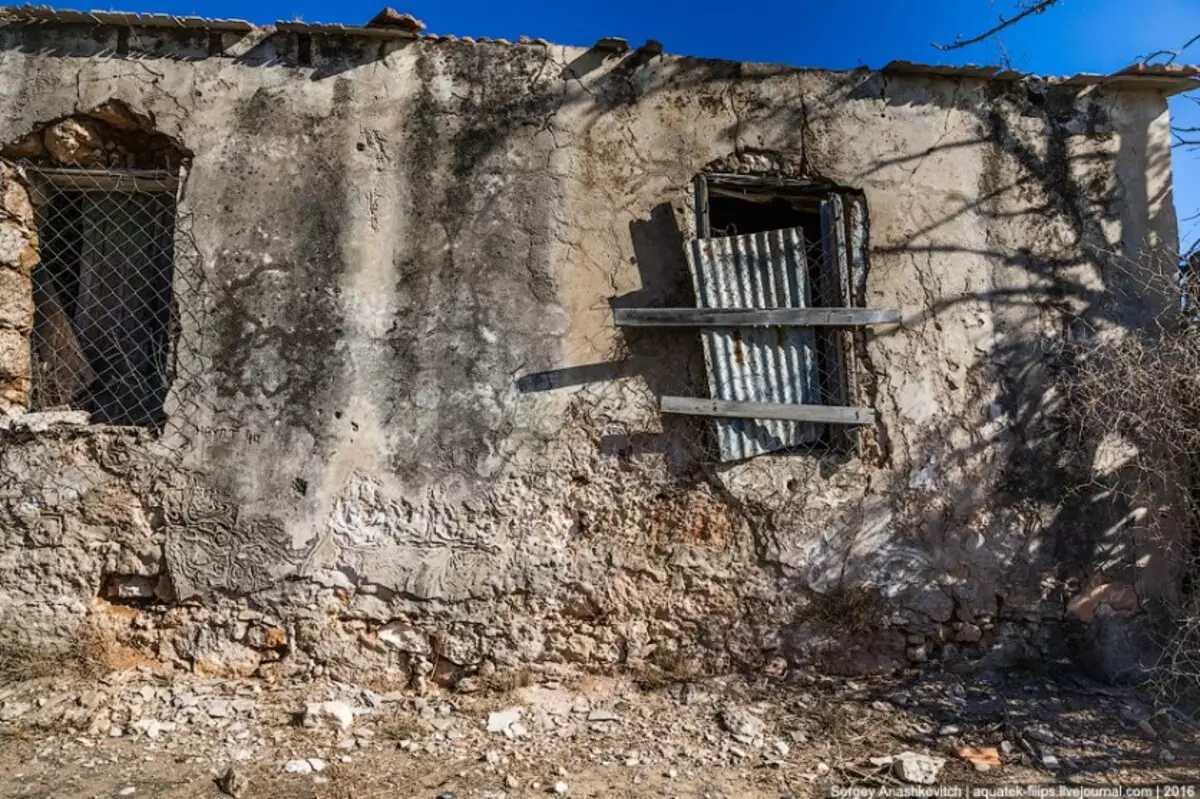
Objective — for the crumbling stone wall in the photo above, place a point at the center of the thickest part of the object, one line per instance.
(18, 256)
(404, 246)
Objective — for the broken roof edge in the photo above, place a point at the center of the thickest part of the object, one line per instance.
(1168, 78)
(32, 13)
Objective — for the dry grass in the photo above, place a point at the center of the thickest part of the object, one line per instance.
(345, 782)
(664, 668)
(833, 719)
(401, 726)
(851, 610)
(506, 681)
(87, 654)
(1136, 400)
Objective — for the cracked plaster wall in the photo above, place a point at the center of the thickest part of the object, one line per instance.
(396, 238)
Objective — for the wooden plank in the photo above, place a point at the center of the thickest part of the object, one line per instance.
(109, 180)
(703, 228)
(751, 182)
(823, 414)
(751, 317)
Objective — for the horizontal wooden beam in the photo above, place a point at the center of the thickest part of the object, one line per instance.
(752, 317)
(109, 180)
(822, 414)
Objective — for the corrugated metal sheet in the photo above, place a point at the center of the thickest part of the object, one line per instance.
(760, 364)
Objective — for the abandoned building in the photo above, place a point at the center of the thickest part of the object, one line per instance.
(326, 347)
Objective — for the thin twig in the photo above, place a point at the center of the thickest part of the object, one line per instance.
(959, 42)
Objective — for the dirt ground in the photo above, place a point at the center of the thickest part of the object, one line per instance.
(142, 733)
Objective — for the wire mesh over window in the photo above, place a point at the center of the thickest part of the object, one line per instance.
(103, 325)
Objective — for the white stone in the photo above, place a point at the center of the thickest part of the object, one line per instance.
(918, 769)
(405, 638)
(502, 720)
(41, 421)
(603, 715)
(560, 788)
(298, 767)
(14, 710)
(217, 708)
(130, 791)
(337, 715)
(152, 728)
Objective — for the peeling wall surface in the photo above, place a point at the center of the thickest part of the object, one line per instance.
(416, 443)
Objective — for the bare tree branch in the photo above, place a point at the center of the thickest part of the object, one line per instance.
(1172, 53)
(960, 42)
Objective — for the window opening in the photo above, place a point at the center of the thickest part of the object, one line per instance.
(102, 333)
(779, 270)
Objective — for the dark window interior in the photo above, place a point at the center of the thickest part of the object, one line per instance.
(103, 305)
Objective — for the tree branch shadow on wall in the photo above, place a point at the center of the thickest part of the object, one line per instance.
(1040, 456)
(1050, 304)
(661, 361)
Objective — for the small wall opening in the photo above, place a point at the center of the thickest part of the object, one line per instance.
(769, 241)
(104, 190)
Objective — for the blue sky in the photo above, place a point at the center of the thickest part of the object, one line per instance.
(1075, 36)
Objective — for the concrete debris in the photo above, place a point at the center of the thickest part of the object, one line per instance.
(916, 768)
(328, 715)
(744, 726)
(507, 722)
(246, 725)
(152, 728)
(311, 765)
